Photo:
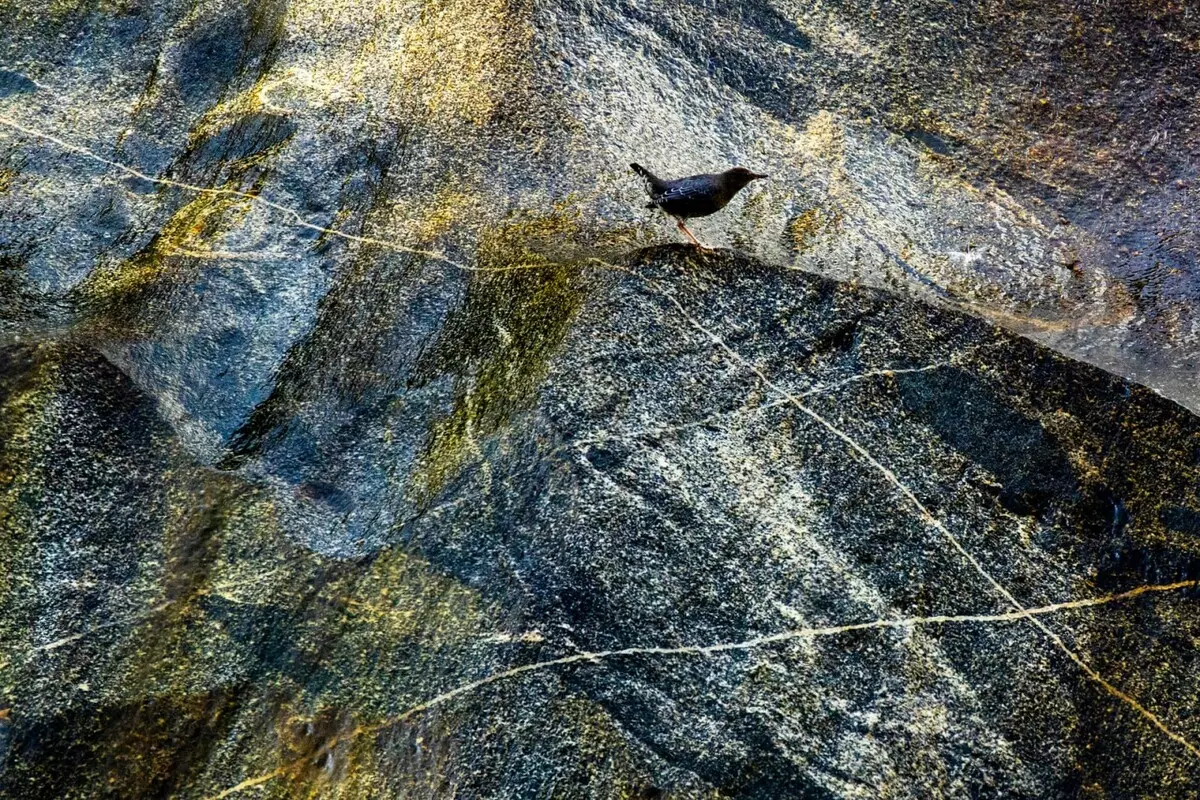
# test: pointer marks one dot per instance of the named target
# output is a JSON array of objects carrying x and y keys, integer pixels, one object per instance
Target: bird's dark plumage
[{"x": 696, "y": 195}]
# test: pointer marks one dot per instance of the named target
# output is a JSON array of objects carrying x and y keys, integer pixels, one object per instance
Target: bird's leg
[{"x": 684, "y": 228}]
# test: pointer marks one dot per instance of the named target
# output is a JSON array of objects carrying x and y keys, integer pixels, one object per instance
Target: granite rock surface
[{"x": 361, "y": 435}]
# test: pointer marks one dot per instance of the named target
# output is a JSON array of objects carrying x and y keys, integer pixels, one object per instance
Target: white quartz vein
[
  {"x": 1019, "y": 612},
  {"x": 931, "y": 520},
  {"x": 782, "y": 637},
  {"x": 298, "y": 219}
]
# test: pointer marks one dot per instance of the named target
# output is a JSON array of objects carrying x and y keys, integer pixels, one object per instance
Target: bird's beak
[{"x": 754, "y": 176}]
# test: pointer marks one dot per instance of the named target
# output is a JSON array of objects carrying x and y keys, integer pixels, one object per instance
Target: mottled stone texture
[
  {"x": 361, "y": 435},
  {"x": 171, "y": 628}
]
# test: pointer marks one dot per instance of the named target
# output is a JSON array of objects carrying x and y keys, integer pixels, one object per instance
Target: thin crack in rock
[
  {"x": 705, "y": 650},
  {"x": 1019, "y": 612},
  {"x": 149, "y": 612},
  {"x": 747, "y": 410},
  {"x": 299, "y": 219},
  {"x": 57, "y": 643},
  {"x": 933, "y": 522}
]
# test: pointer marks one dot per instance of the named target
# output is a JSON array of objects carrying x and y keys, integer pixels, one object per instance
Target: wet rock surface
[
  {"x": 634, "y": 579},
  {"x": 1030, "y": 164},
  {"x": 360, "y": 436}
]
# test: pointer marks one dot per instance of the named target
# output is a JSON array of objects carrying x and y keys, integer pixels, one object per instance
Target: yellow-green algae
[
  {"x": 184, "y": 696},
  {"x": 808, "y": 226},
  {"x": 447, "y": 63},
  {"x": 460, "y": 54},
  {"x": 128, "y": 291},
  {"x": 223, "y": 550},
  {"x": 125, "y": 295},
  {"x": 515, "y": 314},
  {"x": 26, "y": 422},
  {"x": 424, "y": 221}
]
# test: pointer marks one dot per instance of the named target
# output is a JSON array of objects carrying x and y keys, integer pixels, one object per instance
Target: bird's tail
[{"x": 650, "y": 177}]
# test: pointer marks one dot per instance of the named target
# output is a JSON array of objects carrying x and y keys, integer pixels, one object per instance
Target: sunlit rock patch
[{"x": 362, "y": 434}]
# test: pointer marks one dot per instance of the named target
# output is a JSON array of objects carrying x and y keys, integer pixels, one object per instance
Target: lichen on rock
[{"x": 362, "y": 434}]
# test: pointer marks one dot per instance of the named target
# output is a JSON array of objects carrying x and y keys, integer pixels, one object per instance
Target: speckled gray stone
[{"x": 361, "y": 435}]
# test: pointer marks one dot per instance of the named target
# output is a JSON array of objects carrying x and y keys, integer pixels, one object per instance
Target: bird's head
[{"x": 740, "y": 176}]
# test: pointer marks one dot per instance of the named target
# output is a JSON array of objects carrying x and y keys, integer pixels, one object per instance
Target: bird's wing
[{"x": 684, "y": 189}]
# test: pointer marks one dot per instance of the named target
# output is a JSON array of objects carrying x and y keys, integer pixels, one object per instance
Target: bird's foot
[{"x": 688, "y": 233}]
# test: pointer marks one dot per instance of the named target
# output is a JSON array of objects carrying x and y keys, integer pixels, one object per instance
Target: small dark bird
[{"x": 695, "y": 196}]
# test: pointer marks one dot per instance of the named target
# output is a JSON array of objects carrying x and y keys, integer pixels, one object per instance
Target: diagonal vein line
[
  {"x": 746, "y": 410},
  {"x": 933, "y": 522},
  {"x": 701, "y": 650},
  {"x": 57, "y": 643},
  {"x": 297, "y": 218},
  {"x": 250, "y": 783},
  {"x": 1020, "y": 611}
]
